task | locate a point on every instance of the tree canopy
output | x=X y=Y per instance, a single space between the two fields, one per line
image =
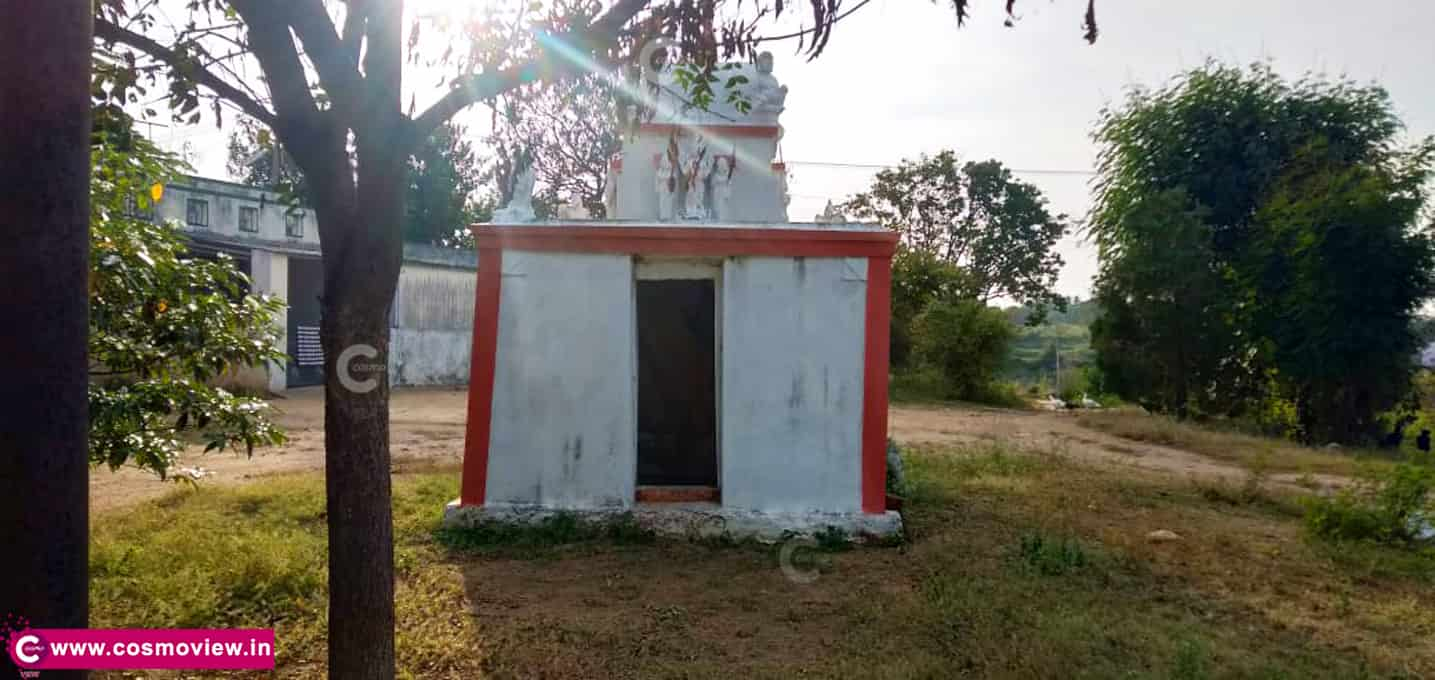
x=572 y=130
x=1261 y=239
x=444 y=194
x=165 y=325
x=974 y=215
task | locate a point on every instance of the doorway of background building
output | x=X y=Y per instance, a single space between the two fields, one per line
x=306 y=357
x=677 y=383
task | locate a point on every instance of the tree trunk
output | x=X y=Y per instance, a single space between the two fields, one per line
x=45 y=210
x=361 y=271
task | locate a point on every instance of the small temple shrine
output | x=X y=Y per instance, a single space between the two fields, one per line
x=695 y=359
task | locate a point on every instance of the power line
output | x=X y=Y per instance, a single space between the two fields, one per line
x=805 y=31
x=881 y=166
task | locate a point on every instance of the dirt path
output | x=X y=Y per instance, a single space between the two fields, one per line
x=1047 y=431
x=427 y=426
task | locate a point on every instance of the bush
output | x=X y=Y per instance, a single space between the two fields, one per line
x=1393 y=506
x=918 y=385
x=965 y=340
x=1003 y=394
x=1074 y=385
x=918 y=278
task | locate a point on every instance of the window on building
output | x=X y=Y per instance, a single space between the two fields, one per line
x=249 y=219
x=294 y=225
x=196 y=212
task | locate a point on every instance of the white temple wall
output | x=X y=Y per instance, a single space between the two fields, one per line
x=564 y=424
x=757 y=194
x=792 y=383
x=790 y=411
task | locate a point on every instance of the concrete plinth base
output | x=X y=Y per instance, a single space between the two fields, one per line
x=693 y=520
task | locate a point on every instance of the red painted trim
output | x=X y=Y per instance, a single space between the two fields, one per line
x=712 y=130
x=678 y=494
x=874 y=382
x=708 y=241
x=482 y=363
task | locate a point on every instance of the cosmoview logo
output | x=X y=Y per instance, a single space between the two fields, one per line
x=801 y=560
x=29 y=648
x=350 y=365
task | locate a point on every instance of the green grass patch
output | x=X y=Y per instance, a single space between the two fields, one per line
x=1021 y=564
x=561 y=530
x=253 y=555
x=1049 y=555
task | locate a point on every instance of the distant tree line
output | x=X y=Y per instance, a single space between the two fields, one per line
x=1263 y=251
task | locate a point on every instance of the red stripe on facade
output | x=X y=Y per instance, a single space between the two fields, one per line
x=482 y=363
x=874 y=382
x=712 y=241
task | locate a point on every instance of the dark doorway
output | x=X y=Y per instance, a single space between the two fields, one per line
x=306 y=358
x=677 y=383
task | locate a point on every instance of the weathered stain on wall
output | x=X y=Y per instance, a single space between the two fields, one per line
x=432 y=326
x=564 y=401
x=793 y=332
x=564 y=411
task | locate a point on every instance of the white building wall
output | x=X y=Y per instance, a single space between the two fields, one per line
x=269 y=272
x=791 y=414
x=432 y=334
x=564 y=408
x=224 y=200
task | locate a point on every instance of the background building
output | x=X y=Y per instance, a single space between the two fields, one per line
x=278 y=246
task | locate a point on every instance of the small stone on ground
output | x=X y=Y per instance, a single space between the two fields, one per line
x=1163 y=536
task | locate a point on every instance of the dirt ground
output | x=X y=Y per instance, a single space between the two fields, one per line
x=427 y=425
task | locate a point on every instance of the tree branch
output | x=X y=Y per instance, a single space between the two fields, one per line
x=110 y=33
x=337 y=73
x=383 y=71
x=353 y=36
x=599 y=35
x=273 y=46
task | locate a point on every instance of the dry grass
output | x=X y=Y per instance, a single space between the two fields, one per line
x=1020 y=564
x=1273 y=455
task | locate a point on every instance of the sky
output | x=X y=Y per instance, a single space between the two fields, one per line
x=899 y=79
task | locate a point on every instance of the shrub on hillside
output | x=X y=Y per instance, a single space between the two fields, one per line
x=965 y=340
x=1394 y=506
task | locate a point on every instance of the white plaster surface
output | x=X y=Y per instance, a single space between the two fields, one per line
x=225 y=199
x=793 y=334
x=790 y=394
x=695 y=520
x=429 y=357
x=564 y=421
x=269 y=273
x=431 y=338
